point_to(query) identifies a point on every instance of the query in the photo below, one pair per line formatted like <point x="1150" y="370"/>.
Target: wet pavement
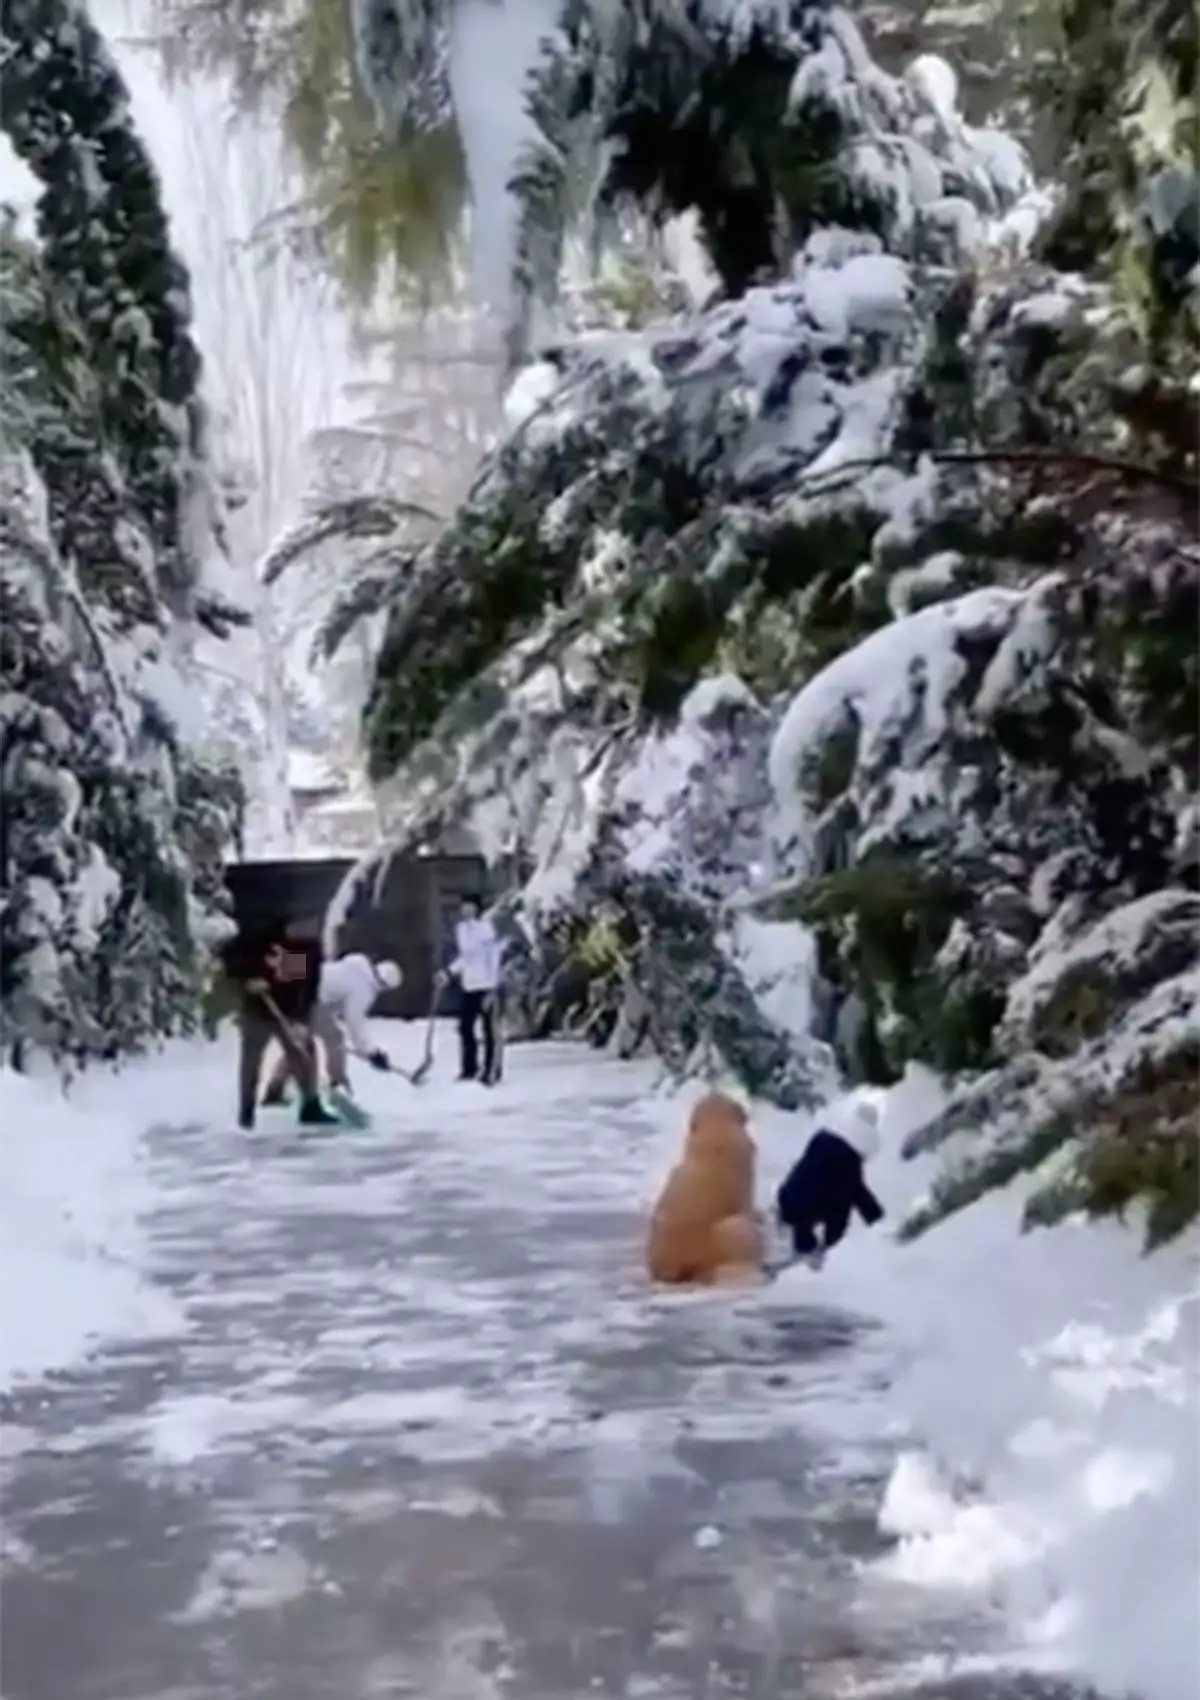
<point x="426" y="1434"/>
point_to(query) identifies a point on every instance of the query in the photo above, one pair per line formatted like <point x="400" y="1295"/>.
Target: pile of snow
<point x="1046" y="1388"/>
<point x="72" y="1189"/>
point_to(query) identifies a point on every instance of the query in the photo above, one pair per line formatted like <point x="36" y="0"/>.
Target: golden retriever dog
<point x="703" y="1230"/>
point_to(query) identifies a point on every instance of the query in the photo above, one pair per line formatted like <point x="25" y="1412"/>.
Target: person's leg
<point x="468" y="1015"/>
<point x="256" y="1034"/>
<point x="273" y="1092"/>
<point x="488" y="1013"/>
<point x="305" y="1069"/>
<point x="328" y="1029"/>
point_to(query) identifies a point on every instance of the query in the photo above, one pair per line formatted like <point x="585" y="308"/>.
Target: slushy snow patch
<point x="72" y="1188"/>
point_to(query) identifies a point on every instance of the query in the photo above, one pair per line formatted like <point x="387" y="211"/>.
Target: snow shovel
<point x="415" y="1076"/>
<point x="351" y="1113"/>
<point x="421" y="1072"/>
<point x="343" y="1104"/>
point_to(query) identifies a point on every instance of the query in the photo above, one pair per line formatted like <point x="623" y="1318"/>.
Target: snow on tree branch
<point x="354" y="519"/>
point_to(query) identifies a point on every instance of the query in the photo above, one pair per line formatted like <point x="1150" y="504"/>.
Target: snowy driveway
<point x="426" y="1434"/>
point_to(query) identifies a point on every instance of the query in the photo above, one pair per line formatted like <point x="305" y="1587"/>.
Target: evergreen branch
<point x="1070" y="457"/>
<point x="838" y="477"/>
<point x="354" y="518"/>
<point x="364" y="598"/>
<point x="106" y="243"/>
<point x="986" y="1171"/>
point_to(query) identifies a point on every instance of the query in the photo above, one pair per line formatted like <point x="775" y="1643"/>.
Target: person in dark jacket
<point x="826" y="1185"/>
<point x="278" y="973"/>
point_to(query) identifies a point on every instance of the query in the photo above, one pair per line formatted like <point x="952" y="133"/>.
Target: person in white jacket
<point x="476" y="967"/>
<point x="348" y="990"/>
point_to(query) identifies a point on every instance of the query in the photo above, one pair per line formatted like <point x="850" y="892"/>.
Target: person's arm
<point x="495" y="950"/>
<point x="867" y="1205"/>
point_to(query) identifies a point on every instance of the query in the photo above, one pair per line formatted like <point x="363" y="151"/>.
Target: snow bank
<point x="1047" y="1390"/>
<point x="72" y="1187"/>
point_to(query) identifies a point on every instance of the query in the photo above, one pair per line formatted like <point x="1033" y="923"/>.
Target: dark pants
<point x="473" y="1008"/>
<point x="259" y="1029"/>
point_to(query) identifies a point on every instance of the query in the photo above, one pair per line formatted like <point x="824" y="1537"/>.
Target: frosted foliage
<point x="402" y="58"/>
<point x="734" y="641"/>
<point x="94" y="708"/>
<point x="692" y="805"/>
<point x="137" y="306"/>
<point x="571" y="793"/>
<point x="772" y="403"/>
<point x="1142" y="941"/>
<point x="898" y="694"/>
<point x="115" y="822"/>
<point x="939" y="177"/>
<point x="55" y="702"/>
<point x="1033" y="1091"/>
<point x="779" y="365"/>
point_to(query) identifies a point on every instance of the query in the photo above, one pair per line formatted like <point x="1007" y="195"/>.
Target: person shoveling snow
<point x="826" y="1185"/>
<point x="349" y="987"/>
<point x="275" y="971"/>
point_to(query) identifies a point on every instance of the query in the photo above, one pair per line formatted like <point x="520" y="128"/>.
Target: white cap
<point x="856" y="1120"/>
<point x="388" y="974"/>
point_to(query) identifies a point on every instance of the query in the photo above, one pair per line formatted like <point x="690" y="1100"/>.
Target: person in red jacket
<point x="277" y="970"/>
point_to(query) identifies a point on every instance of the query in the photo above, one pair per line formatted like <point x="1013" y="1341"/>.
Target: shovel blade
<point x="351" y="1113"/>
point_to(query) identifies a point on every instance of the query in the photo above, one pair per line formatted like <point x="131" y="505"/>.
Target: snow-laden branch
<point x="366" y="597"/>
<point x="354" y="518"/>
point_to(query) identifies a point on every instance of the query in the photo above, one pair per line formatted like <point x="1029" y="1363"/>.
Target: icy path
<point x="426" y="1435"/>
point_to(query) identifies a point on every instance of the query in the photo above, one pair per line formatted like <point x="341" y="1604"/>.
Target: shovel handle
<point x="283" y="1027"/>
<point x="392" y="1068"/>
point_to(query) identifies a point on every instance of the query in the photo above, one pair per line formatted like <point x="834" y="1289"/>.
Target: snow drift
<point x="1045" y="1389"/>
<point x="72" y="1189"/>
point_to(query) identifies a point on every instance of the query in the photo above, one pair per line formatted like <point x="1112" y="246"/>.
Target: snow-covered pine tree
<point x="927" y="511"/>
<point x="105" y="243"/>
<point x="1094" y="1055"/>
<point x="110" y="522"/>
<point x="669" y="499"/>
